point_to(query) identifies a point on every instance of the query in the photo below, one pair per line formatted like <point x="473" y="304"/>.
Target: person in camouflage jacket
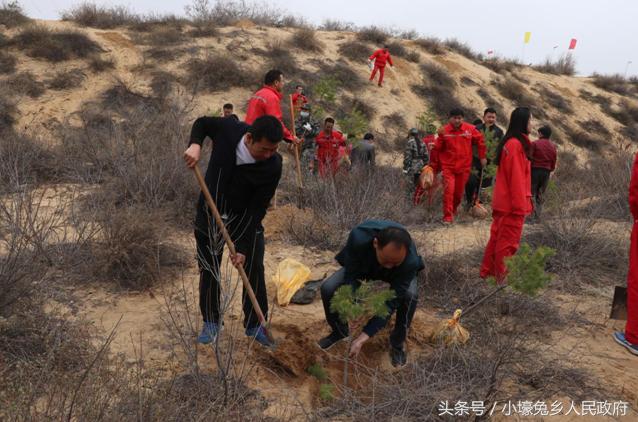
<point x="307" y="130"/>
<point x="415" y="158"/>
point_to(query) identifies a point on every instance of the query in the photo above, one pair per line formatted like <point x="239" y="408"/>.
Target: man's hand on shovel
<point x="192" y="154"/>
<point x="238" y="260"/>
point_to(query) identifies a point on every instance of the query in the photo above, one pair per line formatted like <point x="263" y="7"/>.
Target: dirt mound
<point x="295" y="352"/>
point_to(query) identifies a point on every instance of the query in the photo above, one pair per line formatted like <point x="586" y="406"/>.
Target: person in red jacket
<point x="629" y="338"/>
<point x="452" y="155"/>
<point x="512" y="198"/>
<point x="381" y="57"/>
<point x="267" y="101"/>
<point x="543" y="164"/>
<point x="298" y="99"/>
<point x="329" y="142"/>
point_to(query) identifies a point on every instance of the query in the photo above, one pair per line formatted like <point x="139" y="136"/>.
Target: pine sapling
<point x="355" y="305"/>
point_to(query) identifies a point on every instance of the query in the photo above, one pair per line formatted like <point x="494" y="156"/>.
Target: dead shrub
<point x="335" y="205"/>
<point x="564" y="65"/>
<point x="24" y="160"/>
<point x="12" y="15"/>
<point x="203" y="30"/>
<point x="166" y="54"/>
<point x="154" y="22"/>
<point x="461" y="48"/>
<point x="97" y="64"/>
<point x="355" y="51"/>
<point x="596" y="99"/>
<point x="7" y="63"/>
<point x="500" y="65"/>
<point x="67" y="80"/>
<point x="468" y="81"/>
<point x="217" y="72"/>
<point x="364" y="107"/>
<point x="594" y="126"/>
<point x="162" y="83"/>
<point x="431" y="45"/>
<point x="588" y="140"/>
<point x="8" y="110"/>
<point x="24" y="83"/>
<point x="612" y="83"/>
<point x="337" y="26"/>
<point x="554" y="99"/>
<point x="162" y="37"/>
<point x="438" y="75"/>
<point x="395" y="121"/>
<point x="514" y="91"/>
<point x="305" y="39"/>
<point x="343" y="73"/>
<point x="54" y="46"/>
<point x="373" y="34"/>
<point x="92" y="15"/>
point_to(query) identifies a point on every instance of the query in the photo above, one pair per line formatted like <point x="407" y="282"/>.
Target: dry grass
<point x="97" y="64"/>
<point x="90" y="14"/>
<point x="431" y="45"/>
<point x="7" y="63"/>
<point x="461" y="48"/>
<point x="612" y="83"/>
<point x="12" y="15"/>
<point x="305" y="39"/>
<point x="355" y="51"/>
<point x="373" y="34"/>
<point x="217" y="72"/>
<point x="564" y="65"/>
<point x="25" y="83"/>
<point x="67" y="80"/>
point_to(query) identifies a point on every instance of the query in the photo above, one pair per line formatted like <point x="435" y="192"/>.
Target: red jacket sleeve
<point x="553" y="158"/>
<point x="390" y="60"/>
<point x="479" y="141"/>
<point x="633" y="189"/>
<point x="374" y="55"/>
<point x="514" y="162"/>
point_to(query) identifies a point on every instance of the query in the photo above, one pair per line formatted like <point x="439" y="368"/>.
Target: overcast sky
<point x="606" y="30"/>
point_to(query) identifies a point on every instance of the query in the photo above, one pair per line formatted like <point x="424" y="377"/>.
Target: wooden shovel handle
<point x="294" y="134"/>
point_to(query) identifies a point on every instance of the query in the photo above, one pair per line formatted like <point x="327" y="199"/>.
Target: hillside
<point x="99" y="277"/>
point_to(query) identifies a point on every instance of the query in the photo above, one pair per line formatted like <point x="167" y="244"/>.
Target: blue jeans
<point x="405" y="310"/>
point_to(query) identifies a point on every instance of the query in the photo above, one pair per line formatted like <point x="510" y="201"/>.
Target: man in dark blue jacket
<point x="376" y="250"/>
<point x="242" y="176"/>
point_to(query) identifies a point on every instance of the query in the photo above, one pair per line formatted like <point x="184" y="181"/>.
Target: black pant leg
<point x="208" y="261"/>
<point x="254" y="268"/>
<point x="405" y="314"/>
<point x="328" y="289"/>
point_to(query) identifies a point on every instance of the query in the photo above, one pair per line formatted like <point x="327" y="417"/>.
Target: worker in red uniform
<point x="381" y="57"/>
<point x="453" y="156"/>
<point x="629" y="338"/>
<point x="429" y="140"/>
<point x="298" y="99"/>
<point x="512" y="199"/>
<point x="267" y="101"/>
<point x="328" y="143"/>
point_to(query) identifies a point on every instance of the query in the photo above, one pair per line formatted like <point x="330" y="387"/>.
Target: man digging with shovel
<point x="376" y="250"/>
<point x="242" y="176"/>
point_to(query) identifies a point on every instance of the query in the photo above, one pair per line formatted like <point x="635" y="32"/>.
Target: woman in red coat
<point x="512" y="198"/>
<point x="629" y="338"/>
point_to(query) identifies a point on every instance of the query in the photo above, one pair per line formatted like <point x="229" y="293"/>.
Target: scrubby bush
<point x="500" y="65"/>
<point x="556" y="100"/>
<point x="431" y="45"/>
<point x="54" y="46"/>
<point x="336" y="25"/>
<point x="218" y="72"/>
<point x="564" y="65"/>
<point x="612" y="83"/>
<point x="373" y="34"/>
<point x="11" y="14"/>
<point x="98" y="64"/>
<point x="90" y="14"/>
<point x="67" y="80"/>
<point x="355" y="51"/>
<point x="437" y="75"/>
<point x="514" y="91"/>
<point x="25" y="83"/>
<point x="305" y="39"/>
<point x="7" y="63"/>
<point x="461" y="48"/>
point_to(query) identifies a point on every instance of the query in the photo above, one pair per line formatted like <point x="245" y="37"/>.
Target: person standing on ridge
<point x="381" y="57"/>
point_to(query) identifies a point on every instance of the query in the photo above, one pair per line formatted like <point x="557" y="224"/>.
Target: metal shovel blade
<point x="619" y="304"/>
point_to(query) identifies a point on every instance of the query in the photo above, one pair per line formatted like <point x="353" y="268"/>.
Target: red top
<point x="513" y="188"/>
<point x="544" y="154"/>
<point x="380" y="58"/>
<point x="633" y="189"/>
<point x="299" y="99"/>
<point x="263" y="102"/>
<point x="453" y="150"/>
<point x="328" y="145"/>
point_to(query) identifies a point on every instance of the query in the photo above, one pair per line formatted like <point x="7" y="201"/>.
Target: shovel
<point x="619" y="304"/>
<point x="232" y="250"/>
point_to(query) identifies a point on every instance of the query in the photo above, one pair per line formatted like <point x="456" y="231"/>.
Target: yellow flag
<point x="528" y="35"/>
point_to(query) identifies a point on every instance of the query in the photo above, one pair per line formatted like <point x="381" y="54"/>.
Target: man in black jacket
<point x="376" y="250"/>
<point x="242" y="176"/>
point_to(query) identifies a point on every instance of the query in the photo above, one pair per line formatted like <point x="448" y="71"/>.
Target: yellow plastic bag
<point x="289" y="278"/>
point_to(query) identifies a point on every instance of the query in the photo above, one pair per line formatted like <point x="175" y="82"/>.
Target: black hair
<point x="234" y="116"/>
<point x="519" y="120"/>
<point x="489" y="110"/>
<point x="228" y="106"/>
<point x="476" y="122"/>
<point x="368" y="136"/>
<point x="545" y="131"/>
<point x="397" y="235"/>
<point x="268" y="127"/>
<point x="329" y="120"/>
<point x="272" y="76"/>
<point x="456" y="112"/>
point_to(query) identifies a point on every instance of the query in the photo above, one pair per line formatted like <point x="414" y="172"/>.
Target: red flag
<point x="572" y="44"/>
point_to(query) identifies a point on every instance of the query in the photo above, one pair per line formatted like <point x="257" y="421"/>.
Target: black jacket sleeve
<point x="205" y="127"/>
<point x="257" y="209"/>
